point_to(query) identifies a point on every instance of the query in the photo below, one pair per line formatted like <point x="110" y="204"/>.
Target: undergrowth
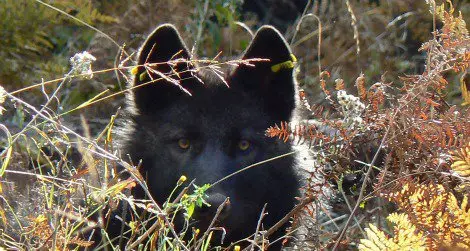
<point x="420" y="162"/>
<point x="395" y="154"/>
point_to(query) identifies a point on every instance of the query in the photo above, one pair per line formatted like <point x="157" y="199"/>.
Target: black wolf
<point x="217" y="129"/>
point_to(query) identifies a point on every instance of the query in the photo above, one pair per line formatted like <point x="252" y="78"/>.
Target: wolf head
<point x="188" y="121"/>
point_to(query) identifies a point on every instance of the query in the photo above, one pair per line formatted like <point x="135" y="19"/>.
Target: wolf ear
<point x="164" y="44"/>
<point x="272" y="79"/>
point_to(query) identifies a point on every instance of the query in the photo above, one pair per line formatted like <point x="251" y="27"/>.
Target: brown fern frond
<point x="323" y="82"/>
<point x="304" y="100"/>
<point x="339" y="84"/>
<point x="375" y="95"/>
<point x="282" y="132"/>
<point x="300" y="133"/>
<point x="317" y="111"/>
<point x="451" y="47"/>
<point x="361" y="86"/>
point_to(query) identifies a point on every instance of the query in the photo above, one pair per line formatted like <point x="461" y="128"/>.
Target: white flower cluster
<point x="352" y="109"/>
<point x="81" y="64"/>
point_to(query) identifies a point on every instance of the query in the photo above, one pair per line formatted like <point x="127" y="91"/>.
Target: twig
<point x="49" y="100"/>
<point x="354" y="25"/>
<point x="253" y="165"/>
<point x="202" y="16"/>
<point x="295" y="210"/>
<point x="297" y="27"/>
<point x="180" y="195"/>
<point x="334" y="220"/>
<point x="145" y="235"/>
<point x="282" y="221"/>
<point x="361" y="193"/>
<point x="350" y="209"/>
<point x="286" y="218"/>
<point x="219" y="210"/>
<point x="255" y="238"/>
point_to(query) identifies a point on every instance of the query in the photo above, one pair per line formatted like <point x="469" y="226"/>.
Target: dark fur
<point x="215" y="118"/>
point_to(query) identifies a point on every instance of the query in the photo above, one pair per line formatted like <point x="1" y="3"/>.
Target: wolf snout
<point x="215" y="201"/>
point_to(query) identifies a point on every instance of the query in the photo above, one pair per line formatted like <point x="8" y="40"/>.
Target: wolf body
<point x="217" y="129"/>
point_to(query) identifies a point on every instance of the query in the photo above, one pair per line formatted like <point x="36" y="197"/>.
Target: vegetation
<point x="391" y="137"/>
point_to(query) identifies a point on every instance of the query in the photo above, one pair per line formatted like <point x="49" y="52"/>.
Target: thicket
<point x="395" y="154"/>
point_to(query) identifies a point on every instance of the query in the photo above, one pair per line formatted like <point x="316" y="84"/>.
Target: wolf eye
<point x="244" y="145"/>
<point x="184" y="143"/>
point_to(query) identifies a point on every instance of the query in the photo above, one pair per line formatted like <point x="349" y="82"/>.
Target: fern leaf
<point x="376" y="240"/>
<point x="461" y="159"/>
<point x="406" y="235"/>
<point x="432" y="217"/>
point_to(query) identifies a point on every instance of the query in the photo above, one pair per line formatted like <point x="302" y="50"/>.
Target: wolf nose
<point x="215" y="200"/>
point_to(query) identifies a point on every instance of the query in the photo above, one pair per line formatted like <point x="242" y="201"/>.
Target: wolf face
<point x="216" y="130"/>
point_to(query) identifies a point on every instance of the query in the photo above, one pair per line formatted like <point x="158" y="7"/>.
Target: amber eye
<point x="243" y="145"/>
<point x="184" y="143"/>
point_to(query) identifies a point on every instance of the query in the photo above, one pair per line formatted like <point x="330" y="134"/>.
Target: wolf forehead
<point x="215" y="109"/>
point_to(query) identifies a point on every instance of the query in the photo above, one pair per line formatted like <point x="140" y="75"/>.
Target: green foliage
<point x="218" y="17"/>
<point x="35" y="38"/>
